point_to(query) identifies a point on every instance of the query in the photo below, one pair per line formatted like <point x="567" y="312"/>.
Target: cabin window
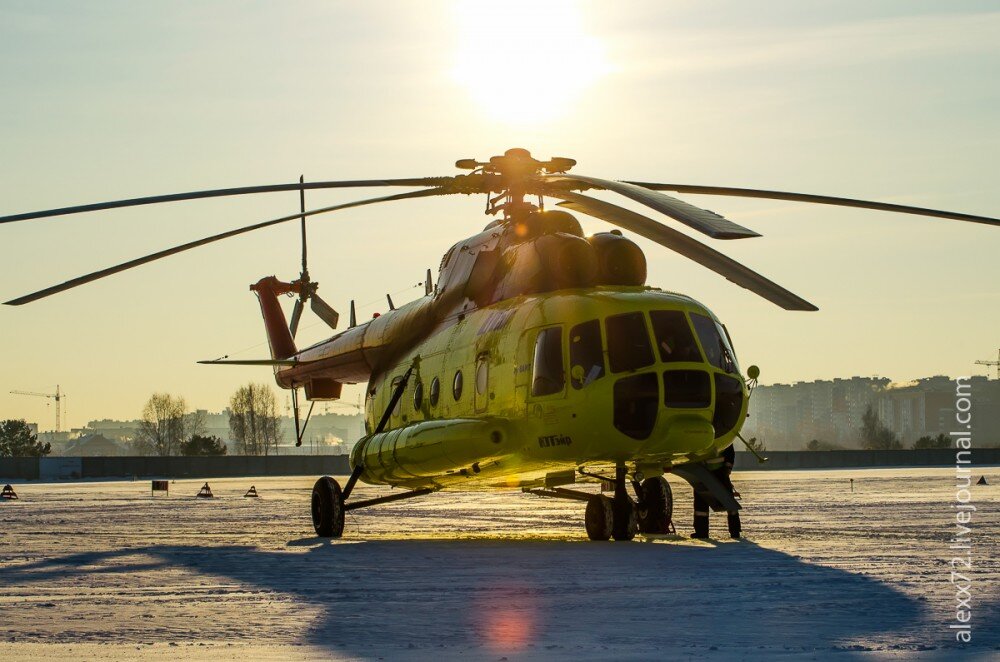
<point x="713" y="340"/>
<point x="687" y="389"/>
<point x="392" y="392"/>
<point x="586" y="356"/>
<point x="456" y="386"/>
<point x="728" y="404"/>
<point x="547" y="374"/>
<point x="435" y="392"/>
<point x="674" y="339"/>
<point x="628" y="342"/>
<point x="482" y="374"/>
<point x="418" y="395"/>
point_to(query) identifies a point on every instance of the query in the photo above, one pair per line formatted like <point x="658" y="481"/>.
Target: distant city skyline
<point x="893" y="101"/>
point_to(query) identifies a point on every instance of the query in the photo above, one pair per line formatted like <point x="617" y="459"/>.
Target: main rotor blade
<point x="818" y="199"/>
<point x="686" y="246"/>
<point x="702" y="220"/>
<point x="223" y="192"/>
<point x="81" y="280"/>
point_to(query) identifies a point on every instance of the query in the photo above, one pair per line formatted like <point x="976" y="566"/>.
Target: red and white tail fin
<point x="279" y="337"/>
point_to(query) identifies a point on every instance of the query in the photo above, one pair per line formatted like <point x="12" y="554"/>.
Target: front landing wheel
<point x="599" y="518"/>
<point x="328" y="508"/>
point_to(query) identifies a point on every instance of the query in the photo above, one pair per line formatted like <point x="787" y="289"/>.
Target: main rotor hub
<point x="513" y="172"/>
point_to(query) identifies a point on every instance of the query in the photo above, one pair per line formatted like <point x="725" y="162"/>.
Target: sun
<point x="525" y="62"/>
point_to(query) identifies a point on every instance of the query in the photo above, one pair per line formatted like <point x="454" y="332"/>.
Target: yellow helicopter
<point x="538" y="360"/>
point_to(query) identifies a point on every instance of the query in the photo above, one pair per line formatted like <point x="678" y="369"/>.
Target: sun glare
<point x="525" y="62"/>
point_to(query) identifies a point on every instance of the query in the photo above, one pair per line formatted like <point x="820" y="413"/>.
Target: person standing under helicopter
<point x="721" y="468"/>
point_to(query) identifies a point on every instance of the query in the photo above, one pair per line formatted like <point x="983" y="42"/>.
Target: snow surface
<point x="105" y="571"/>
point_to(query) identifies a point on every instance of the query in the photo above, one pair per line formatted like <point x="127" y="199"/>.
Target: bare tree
<point x="163" y="427"/>
<point x="875" y="435"/>
<point x="253" y="420"/>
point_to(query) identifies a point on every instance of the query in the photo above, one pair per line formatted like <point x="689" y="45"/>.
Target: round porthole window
<point x="435" y="391"/>
<point x="456" y="386"/>
<point x="418" y="395"/>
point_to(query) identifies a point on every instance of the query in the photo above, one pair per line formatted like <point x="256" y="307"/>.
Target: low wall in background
<point x="858" y="459"/>
<point x="71" y="468"/>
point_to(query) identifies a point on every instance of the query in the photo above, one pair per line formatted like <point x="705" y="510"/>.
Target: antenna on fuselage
<point x="428" y="284"/>
<point x="392" y="306"/>
<point x="354" y="315"/>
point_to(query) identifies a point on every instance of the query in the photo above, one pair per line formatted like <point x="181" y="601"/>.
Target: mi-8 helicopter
<point x="538" y="360"/>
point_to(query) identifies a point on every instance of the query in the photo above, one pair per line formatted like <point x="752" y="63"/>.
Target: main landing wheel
<point x="657" y="506"/>
<point x="608" y="518"/>
<point x="328" y="508"/>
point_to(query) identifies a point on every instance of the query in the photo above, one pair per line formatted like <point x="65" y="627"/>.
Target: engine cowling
<point x="619" y="261"/>
<point x="546" y="263"/>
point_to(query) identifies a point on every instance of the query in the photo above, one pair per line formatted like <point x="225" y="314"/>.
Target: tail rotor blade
<point x="293" y="326"/>
<point x="324" y="311"/>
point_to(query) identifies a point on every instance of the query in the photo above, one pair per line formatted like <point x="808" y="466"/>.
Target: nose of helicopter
<point x="633" y="421"/>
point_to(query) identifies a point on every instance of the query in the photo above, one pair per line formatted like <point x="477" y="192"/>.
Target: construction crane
<point x="57" y="396"/>
<point x="992" y="364"/>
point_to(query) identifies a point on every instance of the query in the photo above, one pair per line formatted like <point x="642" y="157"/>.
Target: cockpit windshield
<point x="628" y="342"/>
<point x="715" y="342"/>
<point x="673" y="334"/>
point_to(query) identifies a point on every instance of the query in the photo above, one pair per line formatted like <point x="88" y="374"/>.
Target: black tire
<point x="599" y="518"/>
<point x="328" y="508"/>
<point x="657" y="506"/>
<point x="626" y="519"/>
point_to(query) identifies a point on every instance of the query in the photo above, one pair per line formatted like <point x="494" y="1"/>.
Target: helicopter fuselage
<point x="536" y="354"/>
<point x="507" y="394"/>
<point x="545" y="383"/>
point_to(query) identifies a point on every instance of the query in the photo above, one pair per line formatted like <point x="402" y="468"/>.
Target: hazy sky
<point x="894" y="101"/>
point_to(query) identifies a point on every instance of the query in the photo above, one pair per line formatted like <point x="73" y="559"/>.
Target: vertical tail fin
<point x="279" y="337"/>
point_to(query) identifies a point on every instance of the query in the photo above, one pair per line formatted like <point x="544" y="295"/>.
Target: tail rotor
<point x="305" y="287"/>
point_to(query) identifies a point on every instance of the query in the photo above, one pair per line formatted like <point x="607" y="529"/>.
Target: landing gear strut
<point x="329" y="502"/>
<point x="606" y="517"/>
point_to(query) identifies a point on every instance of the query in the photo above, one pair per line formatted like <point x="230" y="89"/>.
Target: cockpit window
<point x="713" y="340"/>
<point x="586" y="356"/>
<point x="628" y="342"/>
<point x="673" y="336"/>
<point x="547" y="374"/>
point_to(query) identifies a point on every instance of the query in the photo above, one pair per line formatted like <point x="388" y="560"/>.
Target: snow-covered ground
<point x="104" y="570"/>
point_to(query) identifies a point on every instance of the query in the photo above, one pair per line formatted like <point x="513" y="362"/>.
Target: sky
<point x="892" y="101"/>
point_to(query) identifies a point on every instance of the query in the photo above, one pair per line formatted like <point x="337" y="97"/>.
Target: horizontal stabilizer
<point x="270" y="362"/>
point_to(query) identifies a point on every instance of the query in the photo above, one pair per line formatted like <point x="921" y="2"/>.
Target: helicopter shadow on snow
<point x="415" y="597"/>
